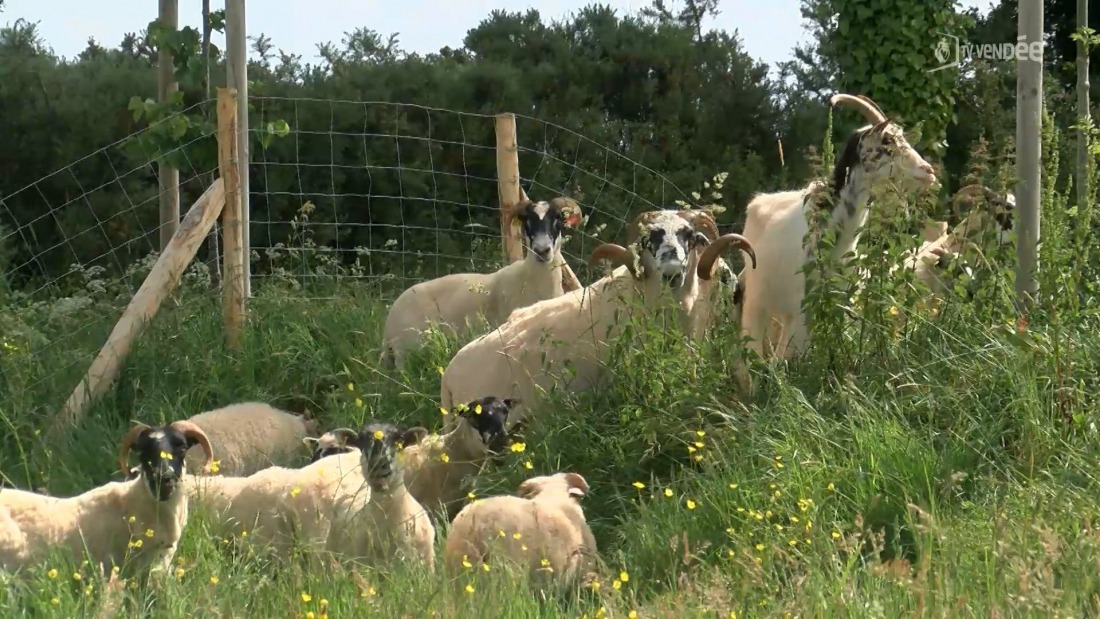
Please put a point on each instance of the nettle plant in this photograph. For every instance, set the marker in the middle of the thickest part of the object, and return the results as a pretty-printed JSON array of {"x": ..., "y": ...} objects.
[{"x": 183, "y": 135}]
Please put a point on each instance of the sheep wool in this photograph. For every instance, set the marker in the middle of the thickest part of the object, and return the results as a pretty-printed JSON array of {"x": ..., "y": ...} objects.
[
  {"x": 542, "y": 530},
  {"x": 251, "y": 436}
]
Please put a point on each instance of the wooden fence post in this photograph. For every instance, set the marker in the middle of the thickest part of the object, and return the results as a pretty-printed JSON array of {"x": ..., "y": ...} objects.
[
  {"x": 233, "y": 296},
  {"x": 169, "y": 177},
  {"x": 158, "y": 285}
]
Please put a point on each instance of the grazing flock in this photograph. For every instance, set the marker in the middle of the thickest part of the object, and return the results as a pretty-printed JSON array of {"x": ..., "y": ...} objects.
[{"x": 377, "y": 494}]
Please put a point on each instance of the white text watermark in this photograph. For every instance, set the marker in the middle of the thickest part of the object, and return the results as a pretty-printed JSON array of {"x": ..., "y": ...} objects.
[{"x": 950, "y": 52}]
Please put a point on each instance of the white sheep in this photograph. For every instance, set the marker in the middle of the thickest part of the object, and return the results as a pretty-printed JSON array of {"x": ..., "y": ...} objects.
[
  {"x": 353, "y": 503},
  {"x": 572, "y": 331},
  {"x": 541, "y": 530},
  {"x": 438, "y": 468},
  {"x": 252, "y": 436},
  {"x": 135, "y": 524},
  {"x": 777, "y": 224},
  {"x": 457, "y": 301}
]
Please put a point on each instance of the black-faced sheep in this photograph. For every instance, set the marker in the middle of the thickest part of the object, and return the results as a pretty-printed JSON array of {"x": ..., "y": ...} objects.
[
  {"x": 457, "y": 301},
  {"x": 525, "y": 354},
  {"x": 438, "y": 468},
  {"x": 542, "y": 530},
  {"x": 134, "y": 524},
  {"x": 353, "y": 503}
]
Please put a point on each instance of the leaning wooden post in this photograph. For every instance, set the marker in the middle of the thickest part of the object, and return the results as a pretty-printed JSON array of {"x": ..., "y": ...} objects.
[
  {"x": 158, "y": 285},
  {"x": 508, "y": 188},
  {"x": 233, "y": 297}
]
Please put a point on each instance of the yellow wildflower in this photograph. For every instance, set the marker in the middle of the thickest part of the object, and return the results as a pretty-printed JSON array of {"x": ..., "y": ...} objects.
[
  {"x": 527, "y": 465},
  {"x": 443, "y": 457},
  {"x": 378, "y": 435},
  {"x": 55, "y": 601},
  {"x": 639, "y": 485},
  {"x": 149, "y": 533},
  {"x": 295, "y": 491},
  {"x": 51, "y": 574},
  {"x": 518, "y": 447},
  {"x": 668, "y": 492},
  {"x": 180, "y": 572},
  {"x": 835, "y": 534},
  {"x": 306, "y": 597},
  {"x": 358, "y": 402},
  {"x": 632, "y": 614},
  {"x": 690, "y": 504},
  {"x": 213, "y": 580},
  {"x": 443, "y": 411},
  {"x": 469, "y": 589},
  {"x": 466, "y": 562},
  {"x": 77, "y": 576},
  {"x": 623, "y": 576},
  {"x": 351, "y": 386}
]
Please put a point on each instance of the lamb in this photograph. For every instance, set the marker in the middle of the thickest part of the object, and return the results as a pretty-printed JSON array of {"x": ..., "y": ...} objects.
[
  {"x": 135, "y": 524},
  {"x": 252, "y": 436},
  {"x": 542, "y": 529},
  {"x": 574, "y": 329},
  {"x": 353, "y": 503},
  {"x": 776, "y": 225},
  {"x": 437, "y": 468},
  {"x": 455, "y": 301}
]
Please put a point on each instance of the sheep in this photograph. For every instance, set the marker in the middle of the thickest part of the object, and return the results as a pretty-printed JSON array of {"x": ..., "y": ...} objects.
[
  {"x": 135, "y": 524},
  {"x": 514, "y": 359},
  {"x": 252, "y": 436},
  {"x": 437, "y": 468},
  {"x": 930, "y": 262},
  {"x": 329, "y": 444},
  {"x": 455, "y": 301},
  {"x": 777, "y": 223},
  {"x": 353, "y": 503},
  {"x": 542, "y": 528}
]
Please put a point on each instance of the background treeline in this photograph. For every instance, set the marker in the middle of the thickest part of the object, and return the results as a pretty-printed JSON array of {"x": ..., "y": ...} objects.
[{"x": 629, "y": 97}]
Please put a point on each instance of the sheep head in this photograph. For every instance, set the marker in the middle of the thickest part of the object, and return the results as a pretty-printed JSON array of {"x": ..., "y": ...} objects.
[
  {"x": 665, "y": 243},
  {"x": 879, "y": 149},
  {"x": 542, "y": 224},
  {"x": 568, "y": 484},
  {"x": 379, "y": 443},
  {"x": 161, "y": 452},
  {"x": 330, "y": 443},
  {"x": 1001, "y": 207},
  {"x": 488, "y": 416}
]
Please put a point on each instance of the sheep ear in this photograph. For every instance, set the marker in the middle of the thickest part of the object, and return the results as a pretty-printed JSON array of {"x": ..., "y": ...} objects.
[
  {"x": 578, "y": 487},
  {"x": 700, "y": 239},
  {"x": 414, "y": 435},
  {"x": 512, "y": 402},
  {"x": 310, "y": 441}
]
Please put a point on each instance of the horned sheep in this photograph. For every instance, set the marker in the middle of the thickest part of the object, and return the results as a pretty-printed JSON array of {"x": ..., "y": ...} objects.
[
  {"x": 777, "y": 223},
  {"x": 575, "y": 328},
  {"x": 134, "y": 524},
  {"x": 252, "y": 436},
  {"x": 456, "y": 301},
  {"x": 542, "y": 529}
]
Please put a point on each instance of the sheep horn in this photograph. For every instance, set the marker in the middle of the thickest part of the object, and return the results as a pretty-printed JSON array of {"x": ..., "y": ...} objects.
[
  {"x": 568, "y": 207},
  {"x": 703, "y": 222},
  {"x": 711, "y": 253},
  {"x": 615, "y": 254},
  {"x": 865, "y": 106},
  {"x": 127, "y": 443},
  {"x": 873, "y": 104},
  {"x": 195, "y": 433},
  {"x": 515, "y": 210}
]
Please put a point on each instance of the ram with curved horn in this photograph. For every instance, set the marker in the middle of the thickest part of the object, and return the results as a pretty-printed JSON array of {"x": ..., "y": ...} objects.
[
  {"x": 460, "y": 301},
  {"x": 531, "y": 350},
  {"x": 104, "y": 523},
  {"x": 776, "y": 225}
]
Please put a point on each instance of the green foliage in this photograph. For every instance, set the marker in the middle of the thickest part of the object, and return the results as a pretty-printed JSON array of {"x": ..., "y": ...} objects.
[{"x": 884, "y": 50}]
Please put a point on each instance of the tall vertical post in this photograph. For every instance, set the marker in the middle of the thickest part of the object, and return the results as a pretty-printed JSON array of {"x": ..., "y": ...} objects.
[
  {"x": 1083, "y": 112},
  {"x": 237, "y": 74},
  {"x": 508, "y": 188},
  {"x": 166, "y": 86},
  {"x": 233, "y": 295},
  {"x": 1029, "y": 107}
]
